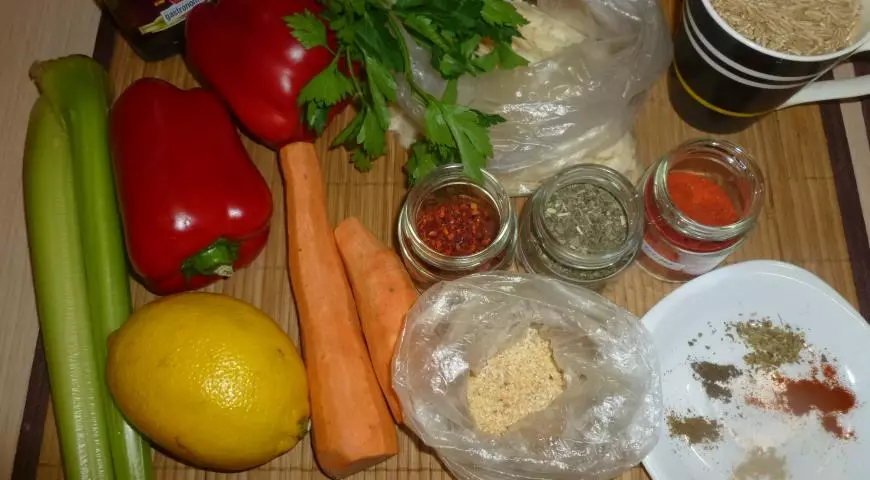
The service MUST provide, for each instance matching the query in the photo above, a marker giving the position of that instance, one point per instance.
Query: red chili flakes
(459, 227)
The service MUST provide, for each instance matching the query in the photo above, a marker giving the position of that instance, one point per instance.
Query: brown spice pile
(520, 380)
(714, 377)
(697, 430)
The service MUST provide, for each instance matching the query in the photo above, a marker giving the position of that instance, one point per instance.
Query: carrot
(384, 293)
(352, 428)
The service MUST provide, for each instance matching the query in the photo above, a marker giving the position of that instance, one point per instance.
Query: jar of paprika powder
(451, 226)
(701, 200)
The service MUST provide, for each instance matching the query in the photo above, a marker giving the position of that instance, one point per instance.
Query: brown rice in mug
(797, 27)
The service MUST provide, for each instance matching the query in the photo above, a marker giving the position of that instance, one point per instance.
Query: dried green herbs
(714, 378)
(586, 218)
(581, 274)
(697, 430)
(771, 345)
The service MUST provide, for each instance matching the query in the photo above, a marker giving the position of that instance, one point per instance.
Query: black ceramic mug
(722, 82)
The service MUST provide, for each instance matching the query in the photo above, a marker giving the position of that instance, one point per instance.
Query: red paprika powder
(825, 395)
(458, 227)
(701, 199)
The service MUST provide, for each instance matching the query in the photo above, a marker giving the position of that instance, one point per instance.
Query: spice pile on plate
(696, 429)
(714, 378)
(818, 395)
(761, 463)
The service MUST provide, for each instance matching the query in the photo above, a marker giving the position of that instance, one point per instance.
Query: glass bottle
(445, 184)
(677, 247)
(539, 251)
(154, 29)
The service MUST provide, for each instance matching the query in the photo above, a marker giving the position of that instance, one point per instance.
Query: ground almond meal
(516, 382)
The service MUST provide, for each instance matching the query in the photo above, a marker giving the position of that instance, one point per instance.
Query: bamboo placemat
(801, 224)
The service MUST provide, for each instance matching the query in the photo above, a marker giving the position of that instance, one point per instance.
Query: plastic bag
(573, 101)
(607, 419)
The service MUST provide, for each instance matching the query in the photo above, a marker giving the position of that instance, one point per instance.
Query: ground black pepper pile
(714, 378)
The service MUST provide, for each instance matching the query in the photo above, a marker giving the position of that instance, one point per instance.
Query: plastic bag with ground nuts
(605, 420)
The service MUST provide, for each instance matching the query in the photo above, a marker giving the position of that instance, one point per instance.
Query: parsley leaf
(327, 88)
(422, 160)
(382, 87)
(307, 29)
(488, 62)
(371, 135)
(508, 58)
(361, 161)
(350, 131)
(451, 92)
(488, 120)
(423, 27)
(372, 37)
(471, 138)
(500, 12)
(316, 117)
(436, 126)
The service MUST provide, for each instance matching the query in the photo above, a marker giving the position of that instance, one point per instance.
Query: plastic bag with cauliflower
(604, 421)
(590, 63)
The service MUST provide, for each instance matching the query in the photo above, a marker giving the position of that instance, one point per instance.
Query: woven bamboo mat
(801, 224)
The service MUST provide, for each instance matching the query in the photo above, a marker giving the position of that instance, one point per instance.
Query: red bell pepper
(245, 51)
(194, 206)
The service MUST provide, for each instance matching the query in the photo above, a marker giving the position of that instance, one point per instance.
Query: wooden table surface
(801, 223)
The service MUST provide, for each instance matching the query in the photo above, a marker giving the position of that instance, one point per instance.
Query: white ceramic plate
(734, 293)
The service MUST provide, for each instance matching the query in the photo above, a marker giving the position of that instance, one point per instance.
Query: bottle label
(686, 262)
(170, 16)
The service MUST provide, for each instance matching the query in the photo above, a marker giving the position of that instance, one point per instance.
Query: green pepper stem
(216, 259)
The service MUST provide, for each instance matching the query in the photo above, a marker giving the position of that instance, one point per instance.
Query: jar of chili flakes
(701, 200)
(450, 226)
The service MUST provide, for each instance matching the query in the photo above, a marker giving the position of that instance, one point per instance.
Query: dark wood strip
(38, 391)
(33, 421)
(847, 195)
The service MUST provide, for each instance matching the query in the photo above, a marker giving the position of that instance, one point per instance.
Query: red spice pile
(459, 227)
(825, 395)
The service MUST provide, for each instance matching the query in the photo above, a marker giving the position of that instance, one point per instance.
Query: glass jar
(540, 251)
(446, 186)
(154, 29)
(679, 246)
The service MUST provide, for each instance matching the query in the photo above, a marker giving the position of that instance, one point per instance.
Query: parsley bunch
(369, 33)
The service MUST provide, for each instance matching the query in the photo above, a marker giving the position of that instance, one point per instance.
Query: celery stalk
(76, 89)
(61, 297)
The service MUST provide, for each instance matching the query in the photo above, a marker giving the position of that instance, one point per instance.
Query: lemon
(211, 379)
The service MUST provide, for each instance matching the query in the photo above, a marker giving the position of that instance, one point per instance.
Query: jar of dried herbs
(583, 226)
(451, 226)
